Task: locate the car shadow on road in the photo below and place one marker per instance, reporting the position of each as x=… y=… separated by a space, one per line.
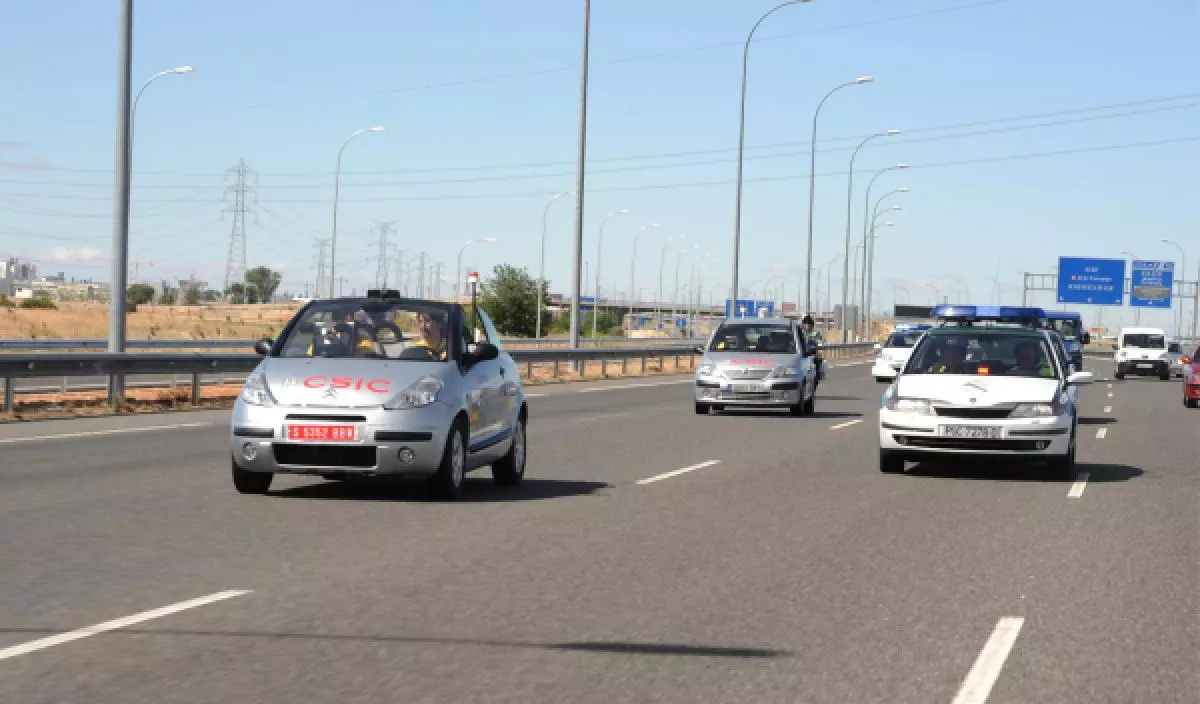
x=476 y=489
x=1004 y=470
x=1099 y=420
x=772 y=413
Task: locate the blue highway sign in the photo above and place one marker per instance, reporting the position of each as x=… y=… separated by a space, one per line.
x=1151 y=283
x=1099 y=282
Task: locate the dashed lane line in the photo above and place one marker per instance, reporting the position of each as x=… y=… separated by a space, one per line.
x=111 y=431
x=982 y=677
x=1101 y=433
x=1080 y=484
x=677 y=472
x=1108 y=409
x=847 y=424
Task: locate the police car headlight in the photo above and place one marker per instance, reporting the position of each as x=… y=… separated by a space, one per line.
x=705 y=369
x=915 y=406
x=422 y=393
x=1037 y=410
x=255 y=391
x=779 y=372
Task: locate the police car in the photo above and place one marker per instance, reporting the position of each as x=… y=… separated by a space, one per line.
x=894 y=352
x=1069 y=327
x=986 y=381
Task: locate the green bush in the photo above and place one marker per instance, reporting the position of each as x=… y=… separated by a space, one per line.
x=5 y=302
x=39 y=302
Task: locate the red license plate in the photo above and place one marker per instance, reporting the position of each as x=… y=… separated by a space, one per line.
x=323 y=433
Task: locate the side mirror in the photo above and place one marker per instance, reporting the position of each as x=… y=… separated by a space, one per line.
x=263 y=346
x=484 y=352
x=1087 y=338
x=1079 y=378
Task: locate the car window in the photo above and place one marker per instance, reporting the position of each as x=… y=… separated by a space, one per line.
x=770 y=339
x=489 y=329
x=903 y=339
x=1175 y=348
x=978 y=353
x=369 y=329
x=1144 y=341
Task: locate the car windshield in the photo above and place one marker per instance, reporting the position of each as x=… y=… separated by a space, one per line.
x=1069 y=329
x=1144 y=341
x=771 y=339
x=983 y=354
x=903 y=339
x=370 y=330
x=1175 y=348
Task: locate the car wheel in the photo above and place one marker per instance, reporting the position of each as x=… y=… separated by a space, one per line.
x=702 y=409
x=882 y=379
x=810 y=405
x=448 y=480
x=1118 y=376
x=1165 y=376
x=1191 y=403
x=890 y=463
x=1063 y=468
x=248 y=482
x=510 y=469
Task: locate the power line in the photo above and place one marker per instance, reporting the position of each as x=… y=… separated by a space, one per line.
x=693 y=152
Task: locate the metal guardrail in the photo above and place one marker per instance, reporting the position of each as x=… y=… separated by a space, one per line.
x=14 y=345
x=198 y=364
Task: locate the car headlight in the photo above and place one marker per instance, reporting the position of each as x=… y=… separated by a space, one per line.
x=422 y=393
x=915 y=406
x=255 y=391
x=1037 y=410
x=705 y=369
x=779 y=372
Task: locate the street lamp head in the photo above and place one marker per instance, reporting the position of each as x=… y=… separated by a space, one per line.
x=376 y=128
x=892 y=133
x=889 y=224
x=864 y=79
x=622 y=211
x=901 y=166
x=490 y=239
x=182 y=69
x=897 y=207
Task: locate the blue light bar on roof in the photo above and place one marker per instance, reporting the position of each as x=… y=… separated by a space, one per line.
x=1000 y=314
x=904 y=327
x=1062 y=315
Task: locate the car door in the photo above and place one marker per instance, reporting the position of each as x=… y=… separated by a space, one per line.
x=474 y=388
x=491 y=375
x=806 y=367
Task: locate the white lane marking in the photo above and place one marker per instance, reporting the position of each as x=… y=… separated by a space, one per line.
x=1108 y=409
x=620 y=387
x=50 y=641
x=1110 y=386
x=112 y=431
x=534 y=395
x=978 y=684
x=677 y=472
x=603 y=416
x=1110 y=394
x=847 y=424
x=1101 y=432
x=1079 y=485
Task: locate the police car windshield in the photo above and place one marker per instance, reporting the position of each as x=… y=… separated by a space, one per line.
x=1145 y=342
x=982 y=354
x=769 y=339
x=903 y=339
x=369 y=330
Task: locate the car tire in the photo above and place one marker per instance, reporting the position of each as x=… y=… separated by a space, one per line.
x=810 y=404
x=1165 y=376
x=1118 y=376
x=702 y=408
x=249 y=482
x=510 y=469
x=1063 y=468
x=890 y=463
x=1191 y=403
x=447 y=482
x=882 y=379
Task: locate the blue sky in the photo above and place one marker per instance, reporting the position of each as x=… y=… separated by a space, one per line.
x=480 y=103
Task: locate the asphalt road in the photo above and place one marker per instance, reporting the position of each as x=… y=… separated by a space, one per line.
x=783 y=568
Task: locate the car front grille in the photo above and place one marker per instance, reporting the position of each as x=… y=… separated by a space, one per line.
x=960 y=412
x=735 y=373
x=969 y=444
x=357 y=456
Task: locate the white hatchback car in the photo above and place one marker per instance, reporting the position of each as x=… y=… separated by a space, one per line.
x=894 y=351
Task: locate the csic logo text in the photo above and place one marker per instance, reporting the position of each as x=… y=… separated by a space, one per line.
x=378 y=386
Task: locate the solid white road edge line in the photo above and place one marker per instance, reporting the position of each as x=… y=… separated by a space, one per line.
x=677 y=472
x=112 y=431
x=1079 y=485
x=50 y=641
x=978 y=684
x=847 y=424
x=1101 y=432
x=1108 y=409
x=620 y=387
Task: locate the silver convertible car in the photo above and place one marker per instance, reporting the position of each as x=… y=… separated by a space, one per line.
x=382 y=385
x=757 y=362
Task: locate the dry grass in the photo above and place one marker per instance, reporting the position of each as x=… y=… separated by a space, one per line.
x=73 y=321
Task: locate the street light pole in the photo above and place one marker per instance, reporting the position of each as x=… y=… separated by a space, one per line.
x=337 y=182
x=458 y=270
x=737 y=214
x=869 y=254
x=846 y=255
x=633 y=264
x=599 y=244
x=542 y=266
x=867 y=223
x=662 y=265
x=580 y=167
x=1137 y=312
x=1182 y=269
x=812 y=182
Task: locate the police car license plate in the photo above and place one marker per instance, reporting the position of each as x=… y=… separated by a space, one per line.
x=1145 y=366
x=746 y=388
x=980 y=432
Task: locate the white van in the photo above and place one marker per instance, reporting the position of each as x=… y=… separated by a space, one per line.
x=1142 y=352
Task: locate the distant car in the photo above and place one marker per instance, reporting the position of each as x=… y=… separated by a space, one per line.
x=1175 y=357
x=894 y=351
x=1191 y=379
x=1142 y=352
x=757 y=363
x=978 y=385
x=1069 y=327
x=381 y=385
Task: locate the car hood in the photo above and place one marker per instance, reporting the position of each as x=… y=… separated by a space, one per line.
x=896 y=354
x=967 y=390
x=749 y=359
x=342 y=383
